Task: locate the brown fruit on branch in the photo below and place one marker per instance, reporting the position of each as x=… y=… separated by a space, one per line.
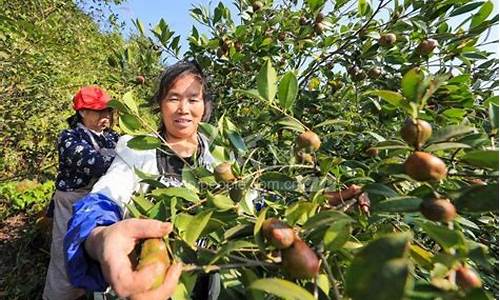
x=224 y=173
x=300 y=261
x=374 y=72
x=154 y=251
x=319 y=27
x=372 y=152
x=387 y=40
x=308 y=140
x=140 y=79
x=279 y=234
x=336 y=198
x=304 y=158
x=356 y=73
x=319 y=18
x=423 y=166
x=257 y=5
x=416 y=132
x=467 y=279
x=303 y=21
x=438 y=209
x=426 y=47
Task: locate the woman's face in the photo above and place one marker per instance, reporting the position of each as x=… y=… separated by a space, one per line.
x=97 y=120
x=182 y=107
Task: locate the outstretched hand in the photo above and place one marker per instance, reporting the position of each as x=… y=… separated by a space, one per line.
x=111 y=246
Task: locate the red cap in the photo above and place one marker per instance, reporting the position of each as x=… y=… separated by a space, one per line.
x=91 y=97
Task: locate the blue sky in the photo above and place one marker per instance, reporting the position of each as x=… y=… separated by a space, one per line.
x=176 y=14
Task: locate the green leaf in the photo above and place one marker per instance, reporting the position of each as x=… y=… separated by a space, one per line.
x=142 y=204
x=281 y=288
x=119 y=106
x=363 y=7
x=129 y=123
x=266 y=81
x=331 y=122
x=450 y=132
x=257 y=229
x=399 y=204
x=209 y=130
x=300 y=212
x=325 y=218
x=196 y=226
x=379 y=265
x=445 y=146
x=278 y=182
x=446 y=237
x=287 y=90
x=478 y=198
x=482 y=14
x=465 y=8
x=337 y=234
x=221 y=202
x=393 y=98
x=251 y=93
x=129 y=101
x=144 y=142
x=292 y=124
x=380 y=189
x=411 y=82
x=482 y=159
x=493 y=113
x=180 y=192
x=315 y=4
x=454 y=113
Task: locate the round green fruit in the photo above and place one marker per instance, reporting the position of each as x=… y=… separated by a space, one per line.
x=154 y=251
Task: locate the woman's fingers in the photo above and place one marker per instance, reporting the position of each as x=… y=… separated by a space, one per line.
x=145 y=228
x=167 y=289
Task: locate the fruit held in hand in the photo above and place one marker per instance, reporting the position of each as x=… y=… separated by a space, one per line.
x=426 y=47
x=300 y=261
x=416 y=132
x=154 y=251
x=438 y=209
x=467 y=278
x=224 y=173
x=279 y=234
x=423 y=166
x=308 y=140
x=387 y=40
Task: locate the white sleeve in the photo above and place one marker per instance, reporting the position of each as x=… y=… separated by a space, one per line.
x=120 y=181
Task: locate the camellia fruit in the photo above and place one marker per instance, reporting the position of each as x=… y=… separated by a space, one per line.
x=387 y=40
x=279 y=234
x=304 y=158
x=140 y=79
x=374 y=72
x=224 y=173
x=154 y=251
x=372 y=152
x=423 y=166
x=336 y=198
x=438 y=209
x=300 y=261
x=257 y=5
x=416 y=132
x=308 y=140
x=426 y=47
x=467 y=278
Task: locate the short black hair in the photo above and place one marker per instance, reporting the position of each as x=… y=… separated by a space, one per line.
x=182 y=68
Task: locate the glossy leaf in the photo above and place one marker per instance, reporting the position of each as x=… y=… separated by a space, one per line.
x=196 y=226
x=287 y=90
x=411 y=82
x=478 y=198
x=266 y=81
x=484 y=159
x=144 y=142
x=281 y=288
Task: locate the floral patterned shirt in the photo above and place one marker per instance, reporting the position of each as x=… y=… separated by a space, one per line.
x=80 y=160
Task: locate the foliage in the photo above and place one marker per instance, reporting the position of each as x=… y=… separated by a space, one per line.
x=25 y=194
x=335 y=69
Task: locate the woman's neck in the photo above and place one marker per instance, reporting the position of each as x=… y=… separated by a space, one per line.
x=184 y=147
